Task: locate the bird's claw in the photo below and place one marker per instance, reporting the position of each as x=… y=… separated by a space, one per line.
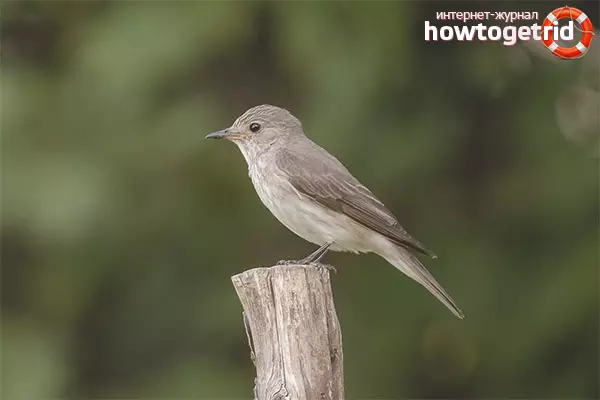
x=288 y=262
x=315 y=264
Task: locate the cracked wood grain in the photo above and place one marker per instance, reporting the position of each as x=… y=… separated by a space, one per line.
x=293 y=331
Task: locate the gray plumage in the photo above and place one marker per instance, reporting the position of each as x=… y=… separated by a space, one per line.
x=314 y=195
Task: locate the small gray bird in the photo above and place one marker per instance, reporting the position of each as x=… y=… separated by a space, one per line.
x=314 y=195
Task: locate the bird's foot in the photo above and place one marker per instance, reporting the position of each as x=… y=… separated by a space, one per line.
x=289 y=262
x=313 y=258
x=315 y=264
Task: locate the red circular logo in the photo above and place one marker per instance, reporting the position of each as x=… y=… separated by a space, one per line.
x=586 y=29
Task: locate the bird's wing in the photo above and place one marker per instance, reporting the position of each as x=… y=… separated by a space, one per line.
x=321 y=177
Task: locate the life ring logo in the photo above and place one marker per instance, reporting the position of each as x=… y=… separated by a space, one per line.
x=586 y=29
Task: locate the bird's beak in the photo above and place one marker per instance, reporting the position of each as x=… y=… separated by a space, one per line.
x=229 y=133
x=224 y=133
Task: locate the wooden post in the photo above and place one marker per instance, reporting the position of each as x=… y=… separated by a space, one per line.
x=293 y=332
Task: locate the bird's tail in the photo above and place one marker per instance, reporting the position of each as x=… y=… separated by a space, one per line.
x=412 y=267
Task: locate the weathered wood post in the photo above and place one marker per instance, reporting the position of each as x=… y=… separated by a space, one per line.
x=293 y=332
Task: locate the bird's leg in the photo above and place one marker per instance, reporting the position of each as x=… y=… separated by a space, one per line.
x=317 y=255
x=313 y=258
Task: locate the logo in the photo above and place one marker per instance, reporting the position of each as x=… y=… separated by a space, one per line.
x=468 y=26
x=586 y=29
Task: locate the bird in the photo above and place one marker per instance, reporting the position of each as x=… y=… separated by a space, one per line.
x=315 y=196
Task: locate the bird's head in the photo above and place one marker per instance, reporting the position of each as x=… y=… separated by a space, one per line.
x=259 y=128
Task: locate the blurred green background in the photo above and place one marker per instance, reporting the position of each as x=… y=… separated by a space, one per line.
x=121 y=226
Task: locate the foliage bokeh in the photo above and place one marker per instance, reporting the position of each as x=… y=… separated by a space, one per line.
x=121 y=226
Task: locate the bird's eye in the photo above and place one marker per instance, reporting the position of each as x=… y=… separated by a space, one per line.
x=255 y=127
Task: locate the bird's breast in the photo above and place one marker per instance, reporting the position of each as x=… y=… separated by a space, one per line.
x=304 y=216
